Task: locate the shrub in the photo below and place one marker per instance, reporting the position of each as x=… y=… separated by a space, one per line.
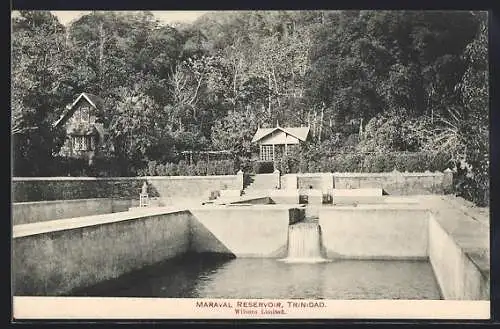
x=289 y=164
x=374 y=163
x=344 y=163
x=302 y=164
x=263 y=167
x=472 y=181
x=440 y=161
x=245 y=164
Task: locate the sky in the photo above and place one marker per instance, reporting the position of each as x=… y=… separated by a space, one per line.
x=166 y=17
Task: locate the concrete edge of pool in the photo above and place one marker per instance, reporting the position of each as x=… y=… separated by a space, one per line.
x=460 y=258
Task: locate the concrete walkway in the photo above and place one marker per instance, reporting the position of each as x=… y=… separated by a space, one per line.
x=72 y=223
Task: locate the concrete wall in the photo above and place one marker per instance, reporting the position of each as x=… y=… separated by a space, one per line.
x=303 y=181
x=397 y=183
x=390 y=232
x=57 y=257
x=289 y=182
x=193 y=186
x=455 y=243
x=318 y=181
x=119 y=205
x=68 y=188
x=31 y=212
x=285 y=196
x=168 y=187
x=394 y=183
x=306 y=182
x=245 y=231
x=459 y=255
x=51 y=258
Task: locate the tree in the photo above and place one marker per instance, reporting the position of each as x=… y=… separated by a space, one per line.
x=235 y=133
x=40 y=89
x=367 y=63
x=137 y=128
x=474 y=90
x=389 y=133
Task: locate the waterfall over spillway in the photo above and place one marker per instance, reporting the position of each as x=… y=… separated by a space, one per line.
x=304 y=243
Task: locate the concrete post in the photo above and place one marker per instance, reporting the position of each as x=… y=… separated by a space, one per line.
x=327 y=186
x=277 y=179
x=239 y=174
x=447 y=180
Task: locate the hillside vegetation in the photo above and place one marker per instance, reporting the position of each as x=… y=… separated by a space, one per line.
x=365 y=82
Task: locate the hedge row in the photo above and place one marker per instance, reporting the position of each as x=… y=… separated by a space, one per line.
x=368 y=163
x=200 y=168
x=349 y=162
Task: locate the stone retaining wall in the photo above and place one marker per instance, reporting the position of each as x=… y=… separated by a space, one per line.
x=69 y=188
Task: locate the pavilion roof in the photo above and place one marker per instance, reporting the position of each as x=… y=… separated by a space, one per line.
x=297 y=132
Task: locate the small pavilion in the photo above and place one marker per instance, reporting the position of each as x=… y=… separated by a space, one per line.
x=279 y=141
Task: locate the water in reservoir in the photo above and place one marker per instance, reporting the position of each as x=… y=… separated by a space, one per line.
x=304 y=243
x=210 y=276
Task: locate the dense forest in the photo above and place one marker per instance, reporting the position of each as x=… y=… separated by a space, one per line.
x=367 y=83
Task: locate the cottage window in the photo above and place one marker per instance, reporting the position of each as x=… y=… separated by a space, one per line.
x=266 y=153
x=83 y=143
x=77 y=142
x=84 y=114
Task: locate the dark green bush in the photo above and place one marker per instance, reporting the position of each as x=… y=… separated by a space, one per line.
x=347 y=162
x=418 y=162
x=472 y=181
x=263 y=167
x=245 y=164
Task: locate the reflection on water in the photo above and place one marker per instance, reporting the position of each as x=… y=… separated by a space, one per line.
x=198 y=276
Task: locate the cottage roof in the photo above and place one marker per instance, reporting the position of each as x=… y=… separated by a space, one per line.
x=297 y=132
x=94 y=100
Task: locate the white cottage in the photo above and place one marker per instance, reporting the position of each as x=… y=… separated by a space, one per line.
x=278 y=141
